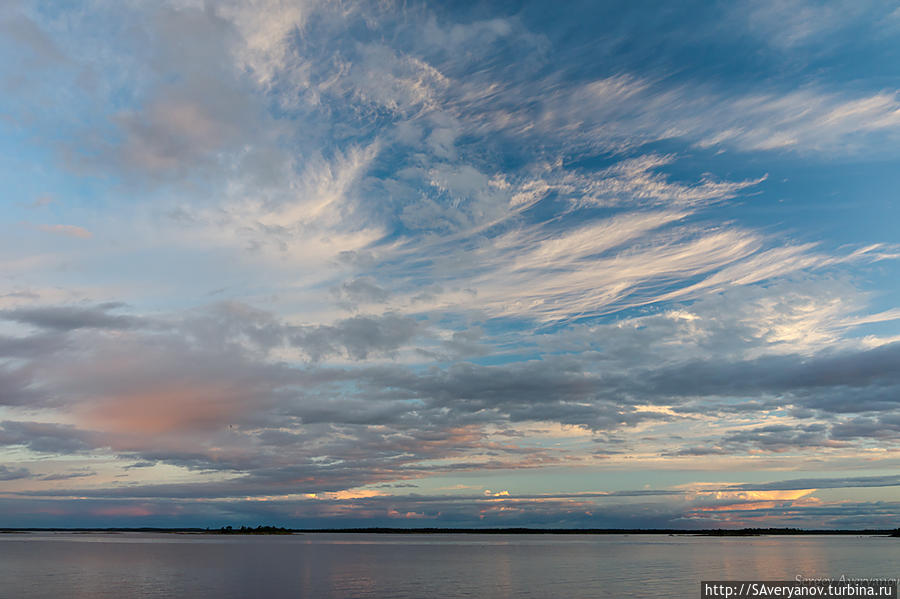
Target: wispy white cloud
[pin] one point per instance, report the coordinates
(788, 24)
(265, 28)
(625, 111)
(552, 272)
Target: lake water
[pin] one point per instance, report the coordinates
(442, 565)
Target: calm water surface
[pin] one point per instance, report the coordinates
(398, 566)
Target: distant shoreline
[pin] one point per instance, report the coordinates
(743, 532)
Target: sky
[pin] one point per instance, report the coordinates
(465, 264)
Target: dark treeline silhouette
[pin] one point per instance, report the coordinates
(259, 530)
(712, 532)
(269, 530)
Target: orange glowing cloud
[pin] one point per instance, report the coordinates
(781, 495)
(757, 500)
(392, 513)
(351, 494)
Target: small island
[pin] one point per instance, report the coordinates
(259, 530)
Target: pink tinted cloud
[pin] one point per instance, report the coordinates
(67, 230)
(167, 408)
(125, 510)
